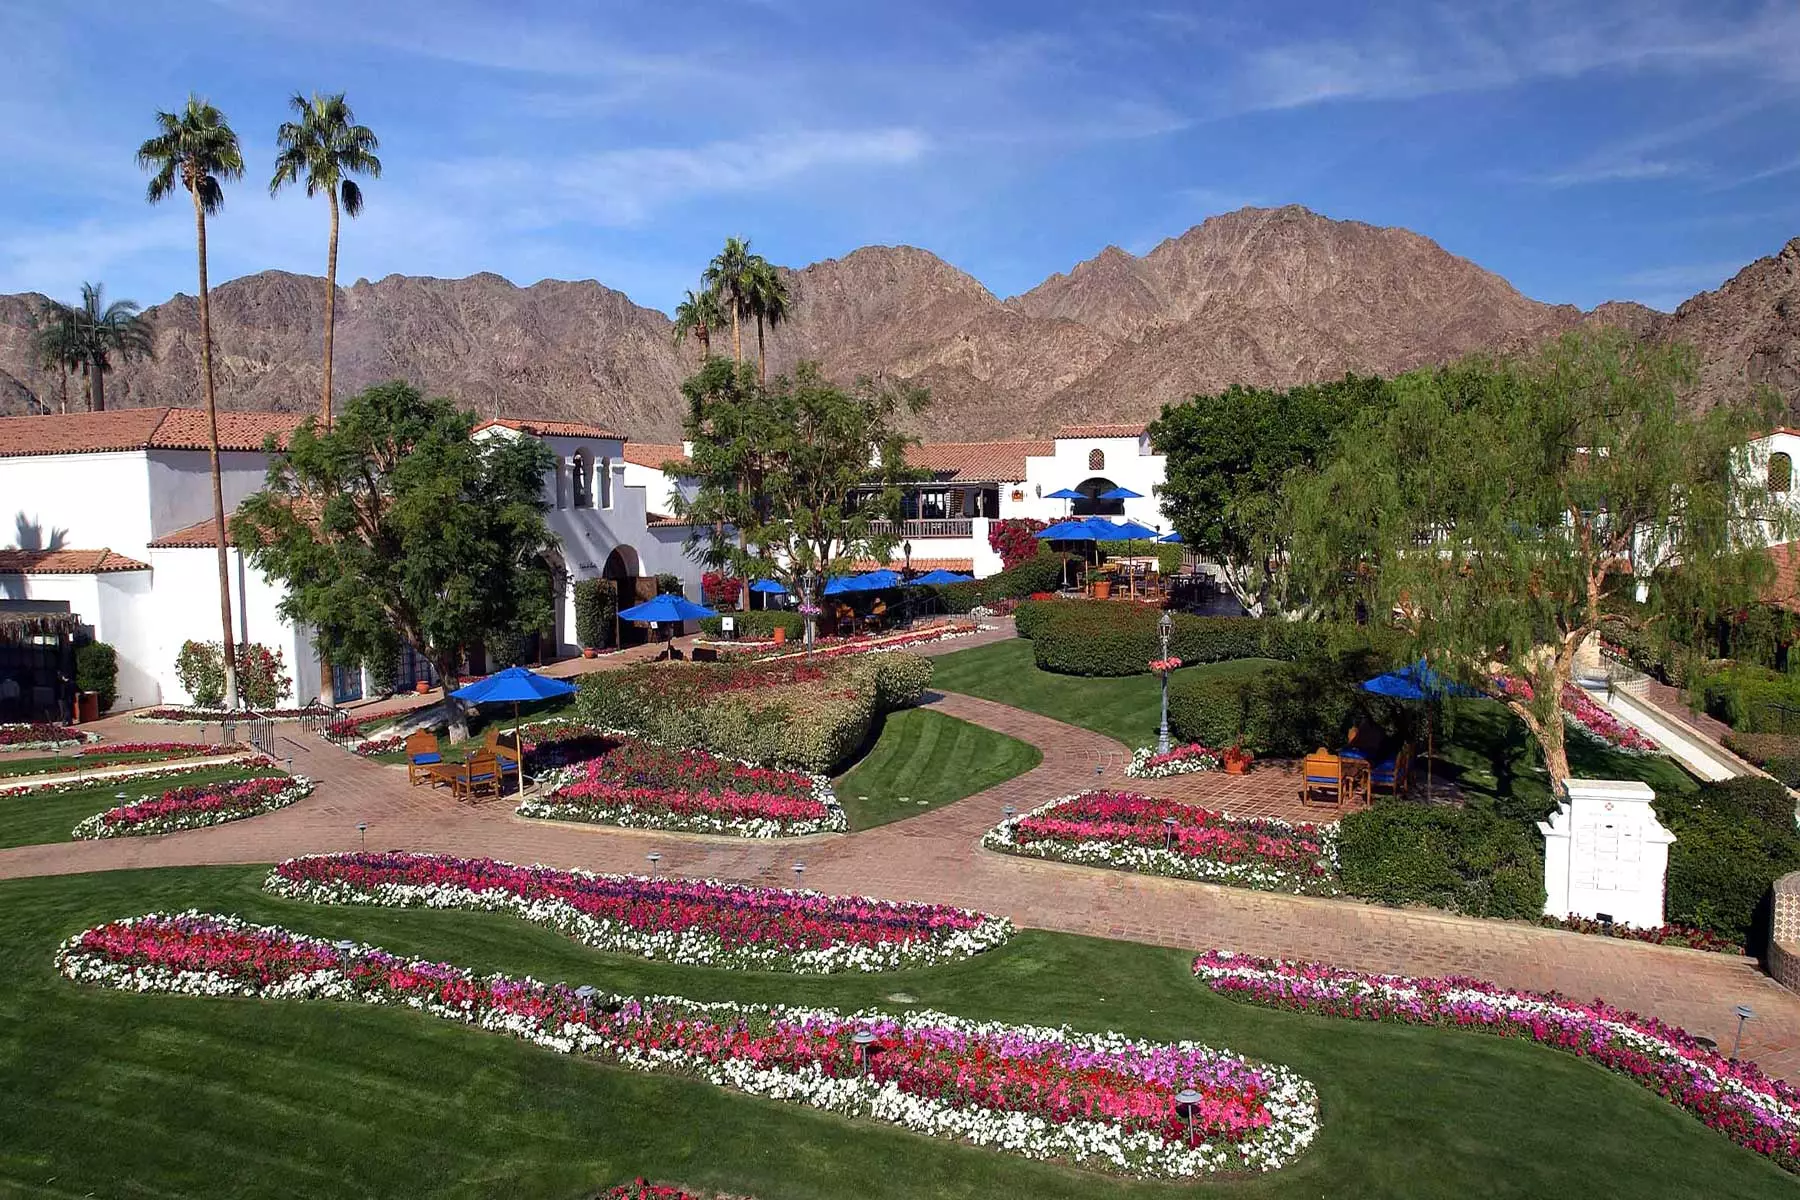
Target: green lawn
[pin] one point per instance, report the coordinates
(1126, 708)
(52, 763)
(923, 759)
(34, 818)
(118, 1094)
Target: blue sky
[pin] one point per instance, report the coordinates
(1639, 149)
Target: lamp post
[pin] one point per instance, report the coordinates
(863, 1038)
(906, 549)
(362, 828)
(1189, 1099)
(1744, 1013)
(809, 605)
(1165, 625)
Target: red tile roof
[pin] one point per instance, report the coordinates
(920, 565)
(545, 428)
(198, 536)
(977, 462)
(1100, 431)
(663, 521)
(66, 562)
(139, 429)
(653, 454)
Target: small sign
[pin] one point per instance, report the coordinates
(728, 625)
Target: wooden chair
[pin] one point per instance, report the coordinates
(422, 754)
(1322, 775)
(1393, 776)
(478, 777)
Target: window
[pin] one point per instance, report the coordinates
(1096, 460)
(934, 506)
(1781, 472)
(580, 481)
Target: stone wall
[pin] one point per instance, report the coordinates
(1784, 938)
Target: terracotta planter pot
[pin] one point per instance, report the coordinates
(1237, 764)
(780, 636)
(589, 652)
(423, 688)
(1103, 589)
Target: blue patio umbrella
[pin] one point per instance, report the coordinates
(941, 577)
(1171, 537)
(1121, 493)
(837, 585)
(1131, 531)
(1064, 494)
(1080, 529)
(519, 686)
(875, 581)
(769, 586)
(666, 608)
(1418, 682)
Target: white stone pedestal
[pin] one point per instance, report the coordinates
(1605, 854)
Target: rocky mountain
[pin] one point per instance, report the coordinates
(1263, 296)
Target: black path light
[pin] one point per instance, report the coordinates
(1189, 1099)
(654, 858)
(1169, 824)
(362, 829)
(1744, 1013)
(1010, 811)
(799, 873)
(864, 1038)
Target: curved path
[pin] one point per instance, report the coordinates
(935, 856)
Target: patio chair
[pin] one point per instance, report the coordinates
(1322, 776)
(505, 749)
(422, 754)
(1393, 776)
(478, 777)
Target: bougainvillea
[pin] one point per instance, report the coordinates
(1733, 1097)
(720, 590)
(1096, 1100)
(1167, 837)
(194, 806)
(1015, 539)
(692, 921)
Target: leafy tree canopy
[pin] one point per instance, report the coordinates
(398, 524)
(819, 466)
(1231, 458)
(1502, 510)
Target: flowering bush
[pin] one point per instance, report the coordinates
(1585, 717)
(262, 677)
(642, 785)
(110, 756)
(720, 590)
(1167, 837)
(35, 735)
(1095, 1100)
(194, 806)
(1685, 936)
(695, 922)
(1015, 540)
(1171, 663)
(642, 1189)
(1178, 760)
(188, 714)
(135, 775)
(1735, 1098)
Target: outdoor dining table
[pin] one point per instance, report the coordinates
(1357, 774)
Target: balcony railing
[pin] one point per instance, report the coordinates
(956, 528)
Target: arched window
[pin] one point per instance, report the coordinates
(1781, 472)
(1096, 460)
(558, 494)
(605, 483)
(1091, 505)
(580, 480)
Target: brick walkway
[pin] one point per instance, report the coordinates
(935, 856)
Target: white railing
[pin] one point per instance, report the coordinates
(955, 528)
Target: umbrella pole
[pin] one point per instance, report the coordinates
(519, 747)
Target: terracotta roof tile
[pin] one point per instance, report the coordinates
(139, 429)
(977, 462)
(664, 521)
(548, 428)
(920, 565)
(66, 562)
(198, 536)
(1100, 431)
(653, 454)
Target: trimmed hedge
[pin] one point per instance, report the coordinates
(1105, 637)
(596, 603)
(1467, 860)
(1776, 753)
(759, 623)
(1041, 574)
(787, 714)
(1275, 708)
(1733, 840)
(1752, 699)
(97, 670)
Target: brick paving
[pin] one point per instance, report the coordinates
(935, 856)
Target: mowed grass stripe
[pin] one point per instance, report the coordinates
(929, 757)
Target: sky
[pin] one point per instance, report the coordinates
(1593, 150)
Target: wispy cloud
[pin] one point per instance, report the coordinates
(1686, 278)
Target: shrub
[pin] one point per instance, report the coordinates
(789, 713)
(1752, 699)
(1041, 573)
(97, 670)
(1776, 753)
(758, 624)
(719, 589)
(1273, 708)
(596, 603)
(1733, 840)
(1015, 540)
(1032, 614)
(1466, 860)
(668, 584)
(1107, 637)
(261, 674)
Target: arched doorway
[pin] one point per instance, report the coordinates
(1090, 504)
(622, 568)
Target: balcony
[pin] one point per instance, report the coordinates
(961, 527)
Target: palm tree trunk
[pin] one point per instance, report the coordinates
(762, 374)
(62, 369)
(330, 306)
(96, 388)
(737, 341)
(227, 642)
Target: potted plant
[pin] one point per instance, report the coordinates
(589, 652)
(423, 688)
(1237, 760)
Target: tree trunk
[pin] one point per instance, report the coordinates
(1556, 755)
(227, 642)
(62, 369)
(455, 712)
(737, 340)
(703, 335)
(762, 373)
(96, 388)
(330, 308)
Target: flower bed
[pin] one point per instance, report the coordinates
(1095, 1100)
(363, 737)
(195, 806)
(643, 1189)
(1735, 1098)
(84, 783)
(694, 922)
(1585, 717)
(867, 643)
(96, 760)
(42, 736)
(641, 785)
(187, 714)
(1180, 760)
(1685, 936)
(1124, 829)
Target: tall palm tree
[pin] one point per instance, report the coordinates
(99, 332)
(728, 278)
(698, 316)
(55, 343)
(194, 149)
(326, 146)
(768, 303)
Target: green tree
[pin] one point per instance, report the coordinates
(768, 303)
(397, 523)
(90, 335)
(729, 277)
(57, 345)
(1501, 512)
(698, 316)
(194, 150)
(1232, 459)
(809, 473)
(325, 147)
